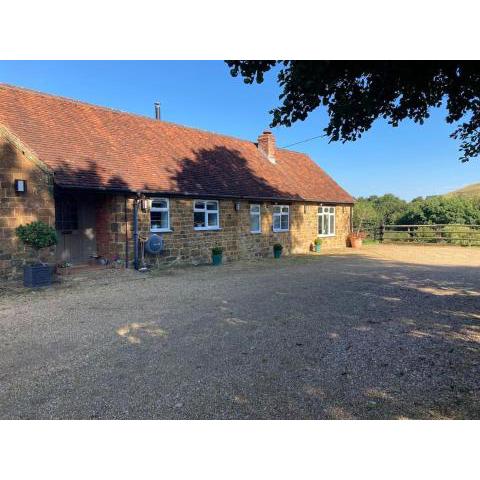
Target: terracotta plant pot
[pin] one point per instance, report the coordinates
(356, 242)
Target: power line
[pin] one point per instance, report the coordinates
(303, 141)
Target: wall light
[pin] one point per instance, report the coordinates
(237, 206)
(20, 186)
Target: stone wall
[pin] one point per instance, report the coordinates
(114, 222)
(18, 209)
(184, 244)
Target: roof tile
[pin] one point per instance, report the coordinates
(95, 147)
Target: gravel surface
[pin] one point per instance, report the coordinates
(382, 333)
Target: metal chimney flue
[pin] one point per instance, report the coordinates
(157, 111)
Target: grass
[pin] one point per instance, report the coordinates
(469, 191)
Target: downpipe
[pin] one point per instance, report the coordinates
(135, 233)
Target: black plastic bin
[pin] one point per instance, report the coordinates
(37, 275)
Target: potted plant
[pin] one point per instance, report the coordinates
(277, 250)
(362, 212)
(318, 244)
(356, 239)
(63, 268)
(37, 235)
(217, 254)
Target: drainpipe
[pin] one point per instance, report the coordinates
(127, 259)
(135, 233)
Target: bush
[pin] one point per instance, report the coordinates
(441, 210)
(318, 241)
(425, 235)
(217, 250)
(396, 236)
(278, 247)
(461, 235)
(37, 235)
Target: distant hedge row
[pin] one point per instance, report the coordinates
(449, 234)
(391, 210)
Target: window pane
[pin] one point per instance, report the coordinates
(159, 220)
(255, 208)
(276, 222)
(199, 219)
(320, 224)
(213, 219)
(284, 222)
(255, 223)
(285, 209)
(212, 206)
(324, 225)
(199, 205)
(159, 204)
(332, 224)
(276, 209)
(332, 209)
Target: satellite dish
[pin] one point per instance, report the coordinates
(154, 244)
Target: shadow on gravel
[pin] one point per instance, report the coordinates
(334, 336)
(406, 340)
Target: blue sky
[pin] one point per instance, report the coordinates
(409, 161)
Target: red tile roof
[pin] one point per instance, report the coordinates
(95, 147)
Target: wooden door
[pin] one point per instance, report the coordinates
(75, 223)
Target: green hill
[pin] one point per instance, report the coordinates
(469, 191)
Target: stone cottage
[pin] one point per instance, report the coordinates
(108, 180)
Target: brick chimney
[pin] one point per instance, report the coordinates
(266, 144)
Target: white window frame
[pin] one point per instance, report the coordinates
(206, 212)
(324, 212)
(280, 214)
(160, 209)
(257, 214)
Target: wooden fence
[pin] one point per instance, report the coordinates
(452, 234)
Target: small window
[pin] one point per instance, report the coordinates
(160, 215)
(205, 215)
(255, 222)
(326, 221)
(281, 220)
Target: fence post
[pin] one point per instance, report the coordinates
(382, 232)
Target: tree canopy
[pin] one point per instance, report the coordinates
(389, 209)
(356, 93)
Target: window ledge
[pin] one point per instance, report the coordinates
(168, 230)
(281, 231)
(206, 229)
(324, 236)
(255, 233)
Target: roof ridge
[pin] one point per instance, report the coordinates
(130, 114)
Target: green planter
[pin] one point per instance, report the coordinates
(318, 248)
(217, 259)
(277, 253)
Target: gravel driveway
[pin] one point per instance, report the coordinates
(386, 332)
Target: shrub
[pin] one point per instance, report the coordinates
(358, 234)
(217, 250)
(37, 235)
(425, 235)
(441, 210)
(278, 247)
(396, 236)
(461, 235)
(318, 241)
